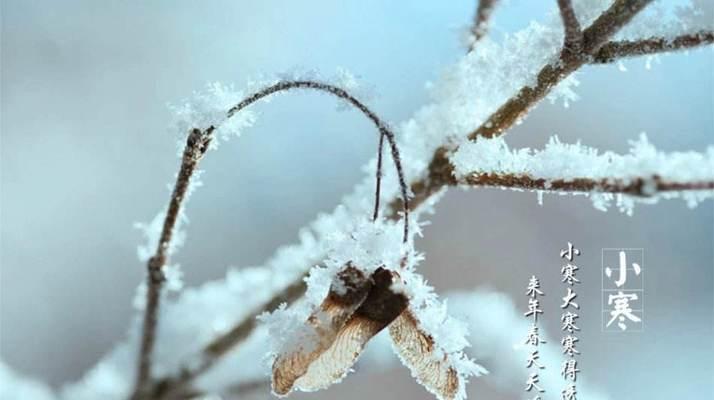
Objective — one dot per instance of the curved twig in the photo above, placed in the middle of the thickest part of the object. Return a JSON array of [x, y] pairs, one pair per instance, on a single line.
[[381, 126]]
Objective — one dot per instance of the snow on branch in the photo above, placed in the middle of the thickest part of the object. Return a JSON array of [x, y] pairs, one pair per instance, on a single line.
[[15, 386], [616, 50], [644, 174], [196, 146], [593, 37]]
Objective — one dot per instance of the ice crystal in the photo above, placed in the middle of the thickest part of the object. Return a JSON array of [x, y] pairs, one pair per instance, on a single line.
[[210, 108]]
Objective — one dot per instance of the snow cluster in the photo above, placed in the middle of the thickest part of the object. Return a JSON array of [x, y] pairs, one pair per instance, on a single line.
[[209, 108], [669, 20], [567, 162], [364, 244]]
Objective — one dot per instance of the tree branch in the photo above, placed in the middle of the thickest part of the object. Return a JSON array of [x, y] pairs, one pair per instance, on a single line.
[[573, 34], [480, 26], [382, 127], [196, 146], [627, 48], [601, 30], [641, 187]]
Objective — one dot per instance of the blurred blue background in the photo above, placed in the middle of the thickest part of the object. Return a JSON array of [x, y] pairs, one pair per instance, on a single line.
[[85, 152]]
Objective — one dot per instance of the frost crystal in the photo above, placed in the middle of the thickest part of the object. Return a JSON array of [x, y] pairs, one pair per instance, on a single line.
[[209, 108], [152, 235], [669, 21]]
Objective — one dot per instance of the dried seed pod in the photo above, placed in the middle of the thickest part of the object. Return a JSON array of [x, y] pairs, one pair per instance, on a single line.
[[379, 309], [418, 351], [347, 292], [355, 309]]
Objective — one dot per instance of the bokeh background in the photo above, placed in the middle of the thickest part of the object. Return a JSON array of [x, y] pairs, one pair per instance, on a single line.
[[85, 152]]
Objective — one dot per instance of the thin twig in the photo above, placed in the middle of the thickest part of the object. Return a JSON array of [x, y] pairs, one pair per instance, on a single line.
[[482, 19], [640, 187], [381, 126], [196, 146], [573, 34], [613, 51]]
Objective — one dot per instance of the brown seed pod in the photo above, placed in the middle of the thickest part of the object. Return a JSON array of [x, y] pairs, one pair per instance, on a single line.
[[340, 346], [347, 292], [417, 350]]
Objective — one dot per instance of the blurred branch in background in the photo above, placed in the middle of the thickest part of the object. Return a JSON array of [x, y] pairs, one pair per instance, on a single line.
[[482, 19]]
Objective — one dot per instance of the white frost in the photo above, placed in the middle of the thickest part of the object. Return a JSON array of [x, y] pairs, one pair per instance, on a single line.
[[209, 108]]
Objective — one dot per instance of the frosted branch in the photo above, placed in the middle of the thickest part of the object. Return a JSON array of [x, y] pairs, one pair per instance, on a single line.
[[382, 127], [196, 147], [644, 172], [613, 51], [642, 186], [597, 34]]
